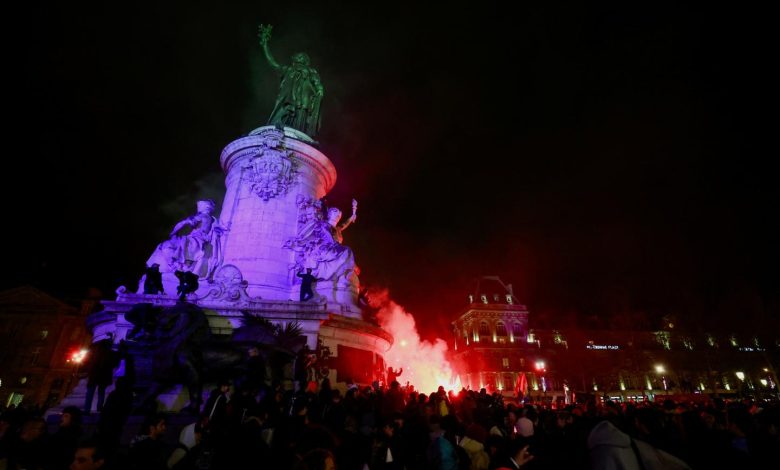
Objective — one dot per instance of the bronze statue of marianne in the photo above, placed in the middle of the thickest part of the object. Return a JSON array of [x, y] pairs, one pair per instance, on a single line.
[[300, 91]]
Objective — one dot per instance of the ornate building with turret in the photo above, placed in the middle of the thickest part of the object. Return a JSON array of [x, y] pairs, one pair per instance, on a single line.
[[490, 337]]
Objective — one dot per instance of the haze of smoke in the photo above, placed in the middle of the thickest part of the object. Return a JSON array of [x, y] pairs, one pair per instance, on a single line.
[[424, 363]]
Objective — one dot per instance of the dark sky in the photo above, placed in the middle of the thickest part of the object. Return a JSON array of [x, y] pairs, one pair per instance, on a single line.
[[603, 160]]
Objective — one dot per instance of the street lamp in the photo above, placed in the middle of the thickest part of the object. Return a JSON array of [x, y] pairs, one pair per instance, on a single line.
[[661, 370], [540, 368], [77, 357]]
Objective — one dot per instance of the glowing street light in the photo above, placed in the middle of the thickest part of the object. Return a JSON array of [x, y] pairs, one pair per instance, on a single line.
[[661, 370], [77, 357]]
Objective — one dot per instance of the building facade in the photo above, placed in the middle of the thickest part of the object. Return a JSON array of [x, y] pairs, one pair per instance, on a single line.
[[39, 338], [497, 348]]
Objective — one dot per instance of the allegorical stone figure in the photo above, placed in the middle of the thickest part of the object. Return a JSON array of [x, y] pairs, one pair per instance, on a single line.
[[194, 245], [300, 90], [319, 245]]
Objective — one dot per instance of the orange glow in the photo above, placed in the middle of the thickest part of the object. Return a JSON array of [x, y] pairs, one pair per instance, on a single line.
[[423, 362]]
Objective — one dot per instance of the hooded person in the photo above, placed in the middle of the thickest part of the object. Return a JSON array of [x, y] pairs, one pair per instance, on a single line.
[[610, 448]]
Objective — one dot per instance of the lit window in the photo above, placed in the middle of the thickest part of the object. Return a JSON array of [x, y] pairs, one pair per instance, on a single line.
[[664, 339], [471, 299], [15, 399], [44, 334], [509, 299], [483, 297], [495, 298], [508, 382], [505, 362], [500, 329], [23, 380]]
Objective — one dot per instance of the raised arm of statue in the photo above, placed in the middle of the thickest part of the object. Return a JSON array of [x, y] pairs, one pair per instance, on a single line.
[[184, 223], [264, 33], [352, 218]]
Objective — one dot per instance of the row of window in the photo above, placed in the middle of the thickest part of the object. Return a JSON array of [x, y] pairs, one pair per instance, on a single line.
[[484, 329]]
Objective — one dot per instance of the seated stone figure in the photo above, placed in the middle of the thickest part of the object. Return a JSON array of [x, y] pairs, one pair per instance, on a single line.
[[194, 246], [319, 246]]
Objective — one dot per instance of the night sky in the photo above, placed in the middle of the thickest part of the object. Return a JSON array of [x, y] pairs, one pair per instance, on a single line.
[[606, 161]]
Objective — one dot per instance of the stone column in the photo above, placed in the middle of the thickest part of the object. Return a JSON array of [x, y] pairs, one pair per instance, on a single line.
[[267, 172]]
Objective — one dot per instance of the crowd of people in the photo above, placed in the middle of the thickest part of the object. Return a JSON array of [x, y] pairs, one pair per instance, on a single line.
[[386, 428]]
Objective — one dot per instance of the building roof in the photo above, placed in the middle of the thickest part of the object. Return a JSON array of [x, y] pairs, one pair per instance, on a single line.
[[494, 290], [28, 298]]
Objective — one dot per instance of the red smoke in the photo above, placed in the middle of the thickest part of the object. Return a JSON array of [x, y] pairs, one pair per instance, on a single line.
[[424, 363]]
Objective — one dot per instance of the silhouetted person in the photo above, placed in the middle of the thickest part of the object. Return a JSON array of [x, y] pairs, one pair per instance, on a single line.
[[307, 279], [116, 411], [153, 282], [392, 375], [64, 441], [143, 316], [188, 283], [101, 361], [148, 450], [89, 455]]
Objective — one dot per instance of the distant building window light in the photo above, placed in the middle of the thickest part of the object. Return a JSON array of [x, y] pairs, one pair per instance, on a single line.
[[733, 340], [664, 339], [711, 341], [484, 299], [530, 338], [505, 362], [23, 380], [509, 299], [44, 334], [557, 337], [15, 399], [471, 299]]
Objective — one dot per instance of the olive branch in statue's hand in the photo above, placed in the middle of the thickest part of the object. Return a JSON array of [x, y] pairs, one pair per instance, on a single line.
[[264, 33]]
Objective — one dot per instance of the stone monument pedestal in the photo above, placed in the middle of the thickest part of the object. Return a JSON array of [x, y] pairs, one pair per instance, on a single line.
[[275, 227]]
